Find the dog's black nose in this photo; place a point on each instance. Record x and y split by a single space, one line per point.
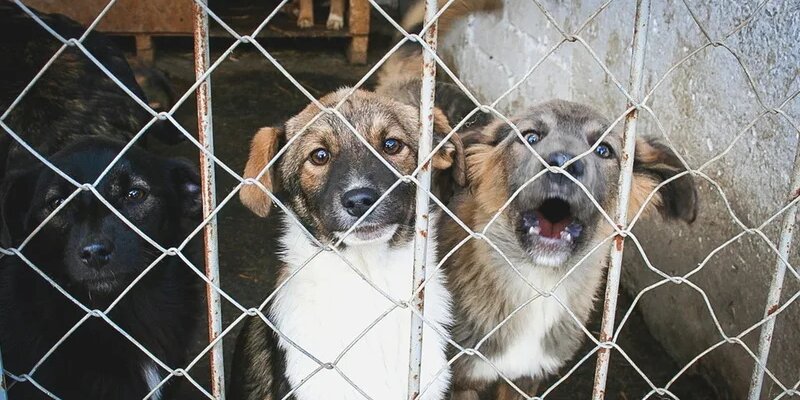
558 159
357 201
97 254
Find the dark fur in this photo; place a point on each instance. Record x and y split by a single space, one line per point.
258 364
96 362
73 97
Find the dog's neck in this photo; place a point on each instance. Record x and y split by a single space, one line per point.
298 249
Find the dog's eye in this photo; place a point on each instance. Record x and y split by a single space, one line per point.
136 194
533 137
392 146
603 150
320 156
54 203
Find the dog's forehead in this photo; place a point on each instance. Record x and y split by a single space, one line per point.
86 165
565 116
364 112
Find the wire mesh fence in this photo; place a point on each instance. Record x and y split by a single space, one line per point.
619 221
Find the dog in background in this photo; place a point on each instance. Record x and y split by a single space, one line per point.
93 255
304 11
330 180
73 97
544 232
79 120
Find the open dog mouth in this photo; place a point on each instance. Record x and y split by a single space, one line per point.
552 222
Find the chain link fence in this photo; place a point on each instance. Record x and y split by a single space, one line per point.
637 98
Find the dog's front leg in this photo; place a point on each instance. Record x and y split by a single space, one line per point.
305 19
468 394
506 392
336 16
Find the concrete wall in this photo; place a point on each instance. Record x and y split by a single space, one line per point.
702 105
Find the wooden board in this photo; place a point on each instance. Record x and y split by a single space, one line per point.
126 16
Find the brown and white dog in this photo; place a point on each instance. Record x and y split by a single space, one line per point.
544 231
329 180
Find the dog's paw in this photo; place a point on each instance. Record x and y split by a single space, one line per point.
305 22
335 22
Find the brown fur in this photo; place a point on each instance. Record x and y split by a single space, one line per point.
262 149
407 63
384 114
485 288
504 391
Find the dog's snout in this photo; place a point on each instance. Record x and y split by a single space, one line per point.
558 159
357 201
97 253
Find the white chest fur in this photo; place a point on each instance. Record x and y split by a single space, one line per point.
524 355
152 377
329 311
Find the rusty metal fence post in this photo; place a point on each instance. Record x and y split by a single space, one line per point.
427 94
774 297
624 187
3 395
206 138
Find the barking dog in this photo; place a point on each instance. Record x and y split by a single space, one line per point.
329 179
544 231
93 255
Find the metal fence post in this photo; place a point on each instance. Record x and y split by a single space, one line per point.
427 94
3 395
624 184
206 139
774 297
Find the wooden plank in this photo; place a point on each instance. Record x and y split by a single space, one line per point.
126 16
358 26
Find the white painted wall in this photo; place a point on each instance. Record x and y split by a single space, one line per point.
702 105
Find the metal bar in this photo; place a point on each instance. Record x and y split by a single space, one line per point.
3 395
775 288
427 94
624 184
209 197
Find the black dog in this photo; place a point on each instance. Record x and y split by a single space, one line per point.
93 255
73 97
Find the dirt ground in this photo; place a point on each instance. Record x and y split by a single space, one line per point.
248 93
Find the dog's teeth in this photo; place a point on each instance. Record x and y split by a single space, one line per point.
534 230
574 230
566 236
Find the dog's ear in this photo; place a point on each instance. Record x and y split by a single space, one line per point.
451 155
16 195
263 148
186 182
653 164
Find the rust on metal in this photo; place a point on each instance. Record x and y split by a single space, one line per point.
208 186
625 183
772 309
421 296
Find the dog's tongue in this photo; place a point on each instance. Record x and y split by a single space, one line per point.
549 229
